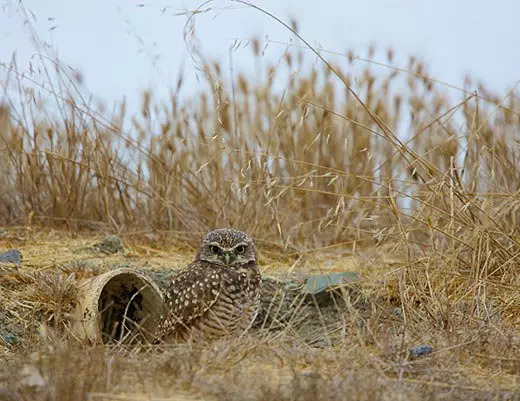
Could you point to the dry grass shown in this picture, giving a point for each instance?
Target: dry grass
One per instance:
(428, 217)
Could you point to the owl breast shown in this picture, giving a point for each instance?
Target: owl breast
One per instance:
(233, 310)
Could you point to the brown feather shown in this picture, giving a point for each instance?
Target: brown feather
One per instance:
(209, 299)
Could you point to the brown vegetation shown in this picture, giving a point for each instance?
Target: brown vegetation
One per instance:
(429, 218)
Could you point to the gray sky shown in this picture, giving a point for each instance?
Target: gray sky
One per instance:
(113, 43)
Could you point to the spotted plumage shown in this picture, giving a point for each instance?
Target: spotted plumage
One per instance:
(218, 294)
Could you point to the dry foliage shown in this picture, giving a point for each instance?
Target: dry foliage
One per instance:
(306, 170)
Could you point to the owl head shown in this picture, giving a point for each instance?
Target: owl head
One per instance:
(227, 247)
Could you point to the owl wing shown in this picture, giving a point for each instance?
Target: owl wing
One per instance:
(190, 294)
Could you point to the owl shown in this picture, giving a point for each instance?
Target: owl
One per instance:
(218, 294)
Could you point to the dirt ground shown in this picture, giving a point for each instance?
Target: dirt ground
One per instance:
(352, 342)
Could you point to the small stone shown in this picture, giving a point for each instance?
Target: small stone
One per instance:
(421, 350)
(10, 339)
(111, 244)
(319, 288)
(12, 256)
(397, 311)
(318, 284)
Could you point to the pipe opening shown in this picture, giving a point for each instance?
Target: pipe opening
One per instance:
(129, 310)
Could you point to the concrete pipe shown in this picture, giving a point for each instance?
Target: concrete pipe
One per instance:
(122, 306)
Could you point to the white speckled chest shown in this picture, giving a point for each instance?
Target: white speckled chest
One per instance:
(207, 302)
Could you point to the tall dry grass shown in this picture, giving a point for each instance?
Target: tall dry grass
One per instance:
(306, 168)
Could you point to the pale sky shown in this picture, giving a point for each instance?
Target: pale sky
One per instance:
(113, 43)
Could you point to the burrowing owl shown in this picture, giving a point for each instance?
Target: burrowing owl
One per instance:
(218, 294)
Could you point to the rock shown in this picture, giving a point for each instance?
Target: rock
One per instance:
(319, 287)
(10, 339)
(12, 256)
(318, 284)
(111, 244)
(421, 350)
(397, 311)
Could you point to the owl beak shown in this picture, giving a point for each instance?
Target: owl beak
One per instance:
(229, 257)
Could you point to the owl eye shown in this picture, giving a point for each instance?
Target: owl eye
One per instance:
(240, 249)
(214, 249)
